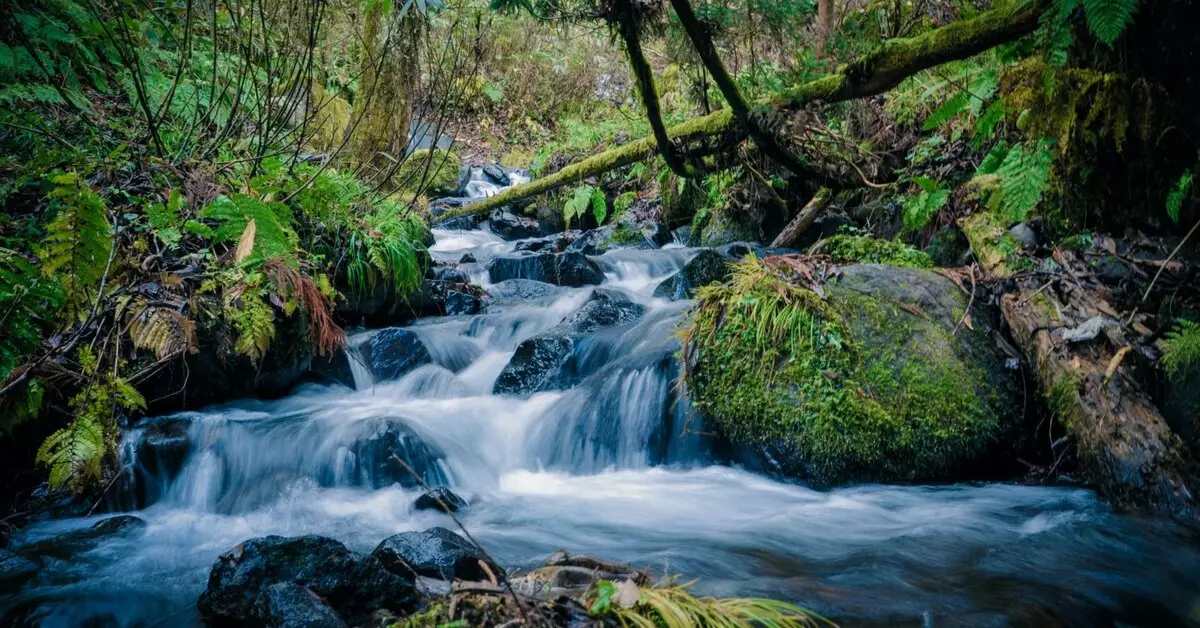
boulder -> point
(393, 352)
(510, 226)
(459, 303)
(15, 570)
(376, 456)
(496, 174)
(332, 369)
(543, 362)
(885, 384)
(520, 290)
(467, 258)
(576, 270)
(565, 269)
(447, 273)
(724, 227)
(461, 223)
(708, 266)
(442, 499)
(435, 553)
(554, 244)
(289, 605)
(241, 586)
(440, 206)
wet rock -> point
(448, 273)
(1024, 235)
(553, 244)
(460, 303)
(496, 174)
(949, 248)
(434, 553)
(518, 290)
(510, 226)
(467, 258)
(682, 235)
(241, 586)
(593, 241)
(462, 223)
(442, 499)
(657, 233)
(1181, 405)
(289, 605)
(727, 227)
(564, 269)
(75, 542)
(545, 361)
(332, 369)
(376, 455)
(707, 267)
(393, 352)
(442, 205)
(15, 570)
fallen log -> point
(1125, 448)
(803, 220)
(874, 73)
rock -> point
(332, 369)
(462, 223)
(519, 290)
(682, 235)
(376, 455)
(15, 570)
(496, 174)
(158, 454)
(554, 244)
(1180, 405)
(510, 226)
(467, 258)
(725, 227)
(825, 226)
(240, 585)
(593, 241)
(289, 605)
(434, 553)
(888, 392)
(442, 499)
(1024, 235)
(544, 362)
(448, 273)
(657, 233)
(392, 352)
(460, 303)
(708, 266)
(443, 205)
(75, 542)
(565, 269)
(949, 248)
(121, 524)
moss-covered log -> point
(1125, 448)
(875, 73)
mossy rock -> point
(875, 382)
(727, 227)
(848, 248)
(435, 174)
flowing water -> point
(610, 467)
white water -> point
(613, 467)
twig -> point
(970, 302)
(1160, 271)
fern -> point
(165, 219)
(921, 208)
(28, 303)
(274, 236)
(1015, 178)
(1177, 196)
(580, 201)
(78, 240)
(985, 124)
(161, 330)
(1183, 349)
(1107, 19)
(953, 106)
(254, 321)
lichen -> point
(844, 248)
(992, 244)
(859, 387)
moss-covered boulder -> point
(871, 374)
(430, 172)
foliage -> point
(1178, 195)
(274, 236)
(1014, 178)
(864, 249)
(673, 606)
(1107, 19)
(429, 172)
(78, 240)
(28, 305)
(1183, 349)
(583, 199)
(921, 208)
(166, 219)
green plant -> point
(864, 249)
(274, 236)
(921, 208)
(78, 241)
(586, 197)
(1178, 194)
(1014, 178)
(166, 220)
(673, 606)
(1183, 348)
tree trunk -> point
(800, 224)
(824, 24)
(390, 70)
(873, 74)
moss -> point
(622, 204)
(858, 387)
(992, 244)
(1062, 399)
(624, 234)
(435, 172)
(845, 248)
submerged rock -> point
(442, 499)
(393, 352)
(513, 227)
(435, 553)
(543, 362)
(707, 267)
(571, 269)
(242, 587)
(884, 383)
(75, 542)
(376, 457)
(16, 570)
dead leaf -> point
(1115, 363)
(245, 243)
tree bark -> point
(873, 74)
(389, 74)
(824, 24)
(801, 223)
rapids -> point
(613, 467)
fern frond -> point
(274, 235)
(1107, 19)
(1179, 193)
(78, 240)
(163, 331)
(74, 453)
(1024, 177)
(1183, 349)
(255, 324)
(28, 304)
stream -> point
(611, 467)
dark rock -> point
(519, 290)
(554, 244)
(460, 303)
(353, 585)
(1181, 405)
(448, 273)
(1024, 235)
(462, 223)
(825, 226)
(510, 226)
(593, 241)
(496, 174)
(657, 233)
(121, 524)
(707, 267)
(464, 177)
(949, 248)
(442, 499)
(15, 570)
(683, 235)
(544, 362)
(158, 455)
(332, 369)
(576, 270)
(725, 227)
(434, 553)
(75, 542)
(393, 352)
(443, 205)
(376, 457)
(467, 258)
(739, 250)
(289, 605)
(1111, 270)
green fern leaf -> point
(1177, 196)
(949, 109)
(992, 161)
(1024, 178)
(985, 125)
(78, 240)
(255, 325)
(599, 206)
(74, 453)
(1107, 19)
(1183, 349)
(274, 236)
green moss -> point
(435, 173)
(992, 244)
(859, 388)
(624, 234)
(845, 248)
(1062, 399)
(622, 204)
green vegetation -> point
(864, 249)
(1183, 349)
(673, 606)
